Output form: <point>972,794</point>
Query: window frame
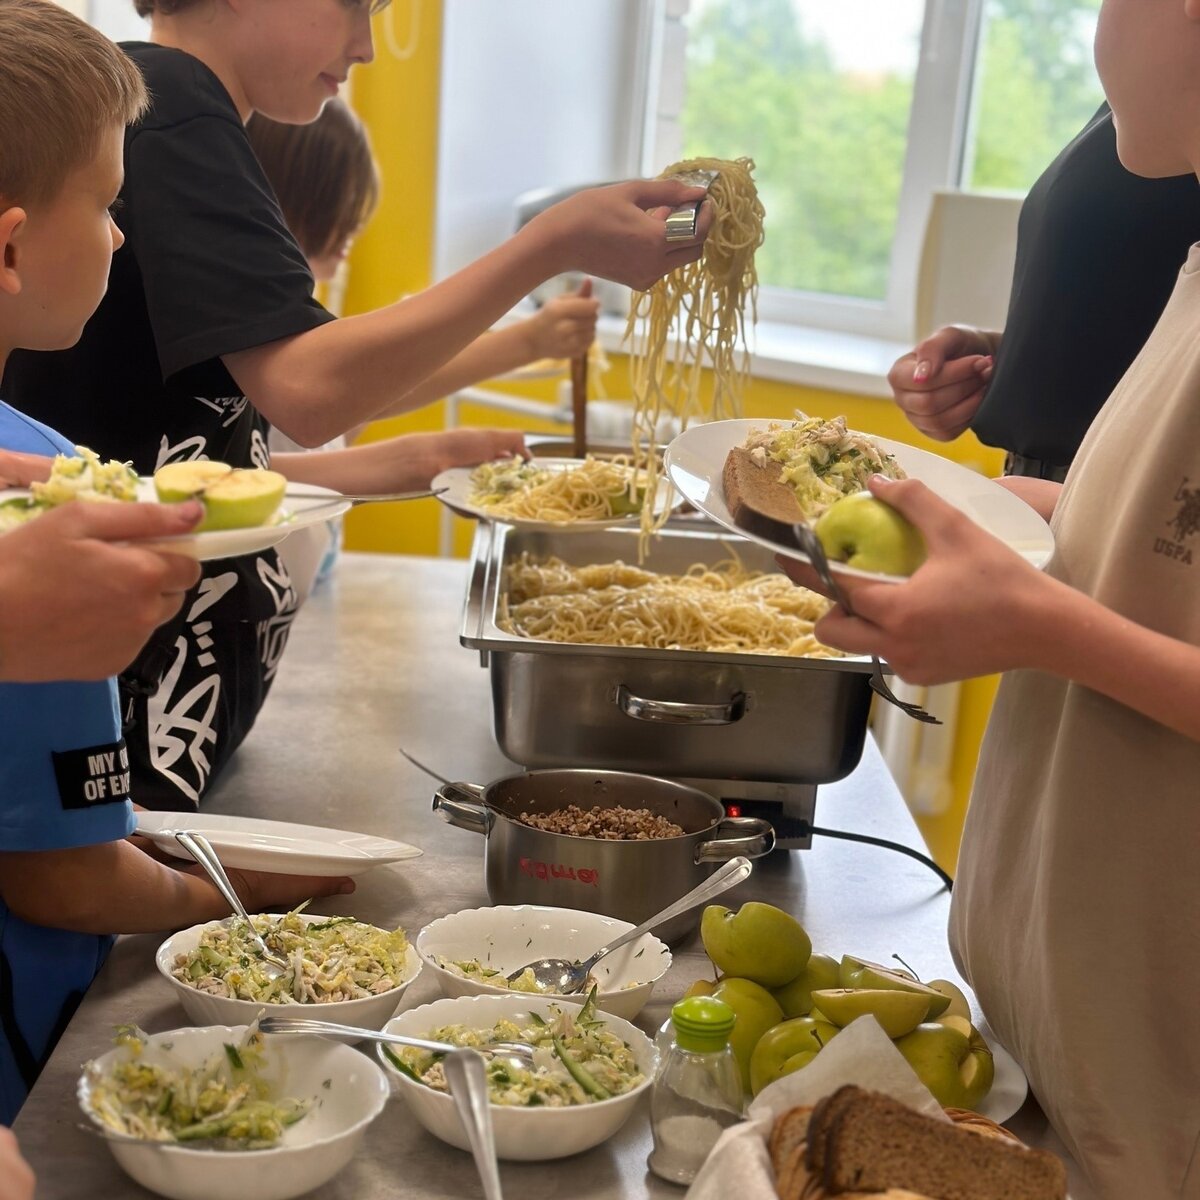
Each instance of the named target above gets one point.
<point>934,154</point>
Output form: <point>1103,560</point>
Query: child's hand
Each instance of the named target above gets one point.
<point>468,447</point>
<point>16,1176</point>
<point>263,891</point>
<point>20,470</point>
<point>79,598</point>
<point>619,232</point>
<point>972,608</point>
<point>563,327</point>
<point>940,383</point>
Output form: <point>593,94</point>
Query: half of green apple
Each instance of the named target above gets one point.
<point>233,497</point>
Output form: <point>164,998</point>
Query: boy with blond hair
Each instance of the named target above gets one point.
<point>209,334</point>
<point>69,878</point>
<point>1076,911</point>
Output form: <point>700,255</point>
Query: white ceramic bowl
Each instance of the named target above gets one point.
<point>349,1091</point>
<point>370,1012</point>
<point>509,936</point>
<point>524,1134</point>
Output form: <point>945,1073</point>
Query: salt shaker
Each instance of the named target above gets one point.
<point>697,1093</point>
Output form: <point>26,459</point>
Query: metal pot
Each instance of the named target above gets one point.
<point>630,880</point>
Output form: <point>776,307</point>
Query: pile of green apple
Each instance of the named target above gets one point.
<point>790,1003</point>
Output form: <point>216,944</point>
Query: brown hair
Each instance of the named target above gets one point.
<point>323,174</point>
<point>62,86</point>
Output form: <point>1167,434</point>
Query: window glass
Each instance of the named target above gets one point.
<point>1035,87</point>
<point>818,93</point>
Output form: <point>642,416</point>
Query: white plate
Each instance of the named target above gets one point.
<point>252,844</point>
<point>1009,1086</point>
<point>457,482</point>
<point>295,513</point>
<point>695,462</point>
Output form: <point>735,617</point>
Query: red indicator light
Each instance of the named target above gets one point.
<point>734,810</point>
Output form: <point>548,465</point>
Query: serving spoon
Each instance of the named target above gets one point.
<point>522,1052</point>
<point>198,846</point>
<point>563,977</point>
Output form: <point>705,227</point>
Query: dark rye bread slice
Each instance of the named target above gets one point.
<point>822,1118</point>
<point>758,499</point>
<point>873,1143</point>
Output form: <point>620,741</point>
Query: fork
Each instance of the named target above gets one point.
<point>197,845</point>
<point>811,545</point>
<point>522,1051</point>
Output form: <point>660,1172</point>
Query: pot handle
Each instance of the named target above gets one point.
<point>459,804</point>
<point>674,712</point>
<point>757,838</point>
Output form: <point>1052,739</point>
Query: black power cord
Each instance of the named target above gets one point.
<point>817,830</point>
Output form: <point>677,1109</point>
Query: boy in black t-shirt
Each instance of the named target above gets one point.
<point>209,331</point>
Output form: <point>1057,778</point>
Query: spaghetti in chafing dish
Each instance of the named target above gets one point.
<point>720,609</point>
<point>528,491</point>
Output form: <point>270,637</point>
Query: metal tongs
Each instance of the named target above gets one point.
<point>681,221</point>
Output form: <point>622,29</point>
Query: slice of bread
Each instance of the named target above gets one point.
<point>788,1132</point>
<point>757,497</point>
<point>873,1143</point>
<point>821,1121</point>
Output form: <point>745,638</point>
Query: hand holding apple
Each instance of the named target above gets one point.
<point>869,534</point>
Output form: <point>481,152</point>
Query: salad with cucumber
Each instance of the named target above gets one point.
<point>81,478</point>
<point>223,1104</point>
<point>339,958</point>
<point>822,461</point>
<point>576,1060</point>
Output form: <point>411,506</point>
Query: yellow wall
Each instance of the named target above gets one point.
<point>397,97</point>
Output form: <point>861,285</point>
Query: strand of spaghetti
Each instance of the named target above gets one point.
<point>696,316</point>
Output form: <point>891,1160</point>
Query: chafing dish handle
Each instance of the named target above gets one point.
<point>758,838</point>
<point>458,803</point>
<point>674,712</point>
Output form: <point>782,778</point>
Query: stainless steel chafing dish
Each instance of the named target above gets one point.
<point>678,713</point>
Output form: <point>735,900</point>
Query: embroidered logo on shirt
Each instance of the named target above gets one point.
<point>92,775</point>
<point>1185,524</point>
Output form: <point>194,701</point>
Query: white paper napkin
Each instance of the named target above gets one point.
<point>862,1054</point>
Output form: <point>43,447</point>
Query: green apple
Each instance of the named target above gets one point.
<point>896,1011</point>
<point>787,1047</point>
<point>232,498</point>
<point>757,1010</point>
<point>795,998</point>
<point>861,973</point>
<point>759,942</point>
<point>701,987</point>
<point>866,533</point>
<point>959,1005</point>
<point>951,1059</point>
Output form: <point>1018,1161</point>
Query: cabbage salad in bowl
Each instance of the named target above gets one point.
<point>329,961</point>
<point>576,1060</point>
<point>222,1104</point>
<point>821,461</point>
<point>82,478</point>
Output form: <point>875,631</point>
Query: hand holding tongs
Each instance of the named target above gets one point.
<point>681,221</point>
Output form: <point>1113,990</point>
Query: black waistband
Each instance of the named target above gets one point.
<point>1035,468</point>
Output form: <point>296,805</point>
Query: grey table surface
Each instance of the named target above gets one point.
<point>374,663</point>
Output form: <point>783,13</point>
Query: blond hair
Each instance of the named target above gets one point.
<point>62,87</point>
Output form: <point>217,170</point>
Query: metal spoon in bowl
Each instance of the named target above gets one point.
<point>468,1088</point>
<point>521,1052</point>
<point>197,845</point>
<point>563,978</point>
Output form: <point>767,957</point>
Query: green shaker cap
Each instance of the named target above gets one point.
<point>702,1023</point>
